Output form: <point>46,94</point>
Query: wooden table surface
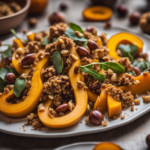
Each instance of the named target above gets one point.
<point>131,136</point>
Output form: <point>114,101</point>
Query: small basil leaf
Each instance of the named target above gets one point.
<point>130,57</point>
<point>70,34</point>
<point>19,86</point>
<point>75,27</point>
<point>140,64</point>
<point>3,72</point>
<point>45,41</point>
<point>132,49</point>
<point>84,44</point>
<point>131,72</point>
<point>2,85</point>
<point>95,74</point>
<point>115,67</point>
<point>57,62</point>
<point>54,39</point>
<point>14,33</point>
<point>7,53</point>
<point>13,71</point>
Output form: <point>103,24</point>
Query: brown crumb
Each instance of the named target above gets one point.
<point>132,108</point>
<point>104,123</point>
<point>122,117</point>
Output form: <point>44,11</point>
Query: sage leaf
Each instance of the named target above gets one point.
<point>125,49</point>
<point>13,71</point>
<point>54,39</point>
<point>116,67</point>
<point>7,53</point>
<point>2,85</point>
<point>45,41</point>
<point>130,57</point>
<point>19,86</point>
<point>14,33</point>
<point>70,34</point>
<point>57,62</point>
<point>142,65</point>
<point>3,72</point>
<point>75,27</point>
<point>95,74</point>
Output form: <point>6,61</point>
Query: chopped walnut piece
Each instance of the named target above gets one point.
<point>132,108</point>
<point>104,123</point>
<point>146,98</point>
<point>126,63</point>
<point>137,102</point>
<point>30,116</point>
<point>80,84</point>
<point>122,117</point>
<point>87,119</point>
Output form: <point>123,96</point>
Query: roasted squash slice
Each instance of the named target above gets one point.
<point>123,38</point>
<point>107,146</point>
<point>29,104</point>
<point>141,87</point>
<point>114,107</point>
<point>81,99</point>
<point>101,101</point>
<point>30,36</point>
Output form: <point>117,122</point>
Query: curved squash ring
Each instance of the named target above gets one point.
<point>29,104</point>
<point>141,87</point>
<point>80,98</point>
<point>97,13</point>
<point>123,38</point>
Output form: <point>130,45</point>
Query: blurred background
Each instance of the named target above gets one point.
<point>42,13</point>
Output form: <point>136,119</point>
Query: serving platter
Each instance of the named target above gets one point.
<point>77,146</point>
<point>15,126</point>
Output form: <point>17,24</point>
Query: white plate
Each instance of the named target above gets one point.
<point>78,146</point>
<point>15,127</point>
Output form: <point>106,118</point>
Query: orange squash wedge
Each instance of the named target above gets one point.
<point>141,87</point>
<point>101,101</point>
<point>81,99</point>
<point>97,13</point>
<point>28,105</point>
<point>107,146</point>
<point>30,36</point>
<point>114,107</point>
<point>123,38</point>
<point>18,43</point>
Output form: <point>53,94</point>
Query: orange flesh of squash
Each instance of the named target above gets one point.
<point>97,13</point>
<point>107,146</point>
<point>29,104</point>
<point>139,88</point>
<point>101,101</point>
<point>123,38</point>
<point>81,99</point>
<point>113,106</point>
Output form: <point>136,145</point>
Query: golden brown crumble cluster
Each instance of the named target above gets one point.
<point>57,88</point>
<point>57,30</point>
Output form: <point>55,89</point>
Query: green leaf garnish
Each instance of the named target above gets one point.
<point>95,74</point>
<point>14,33</point>
<point>142,65</point>
<point>130,57</point>
<point>115,67</point>
<point>2,85</point>
<point>125,49</point>
<point>57,62</point>
<point>19,86</point>
<point>3,72</point>
<point>75,27</point>
<point>7,53</point>
<point>54,39</point>
<point>45,41</point>
<point>70,34</point>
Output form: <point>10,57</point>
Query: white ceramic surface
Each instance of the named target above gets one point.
<point>78,146</point>
<point>15,127</point>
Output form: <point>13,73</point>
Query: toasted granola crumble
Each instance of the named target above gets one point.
<point>57,30</point>
<point>126,63</point>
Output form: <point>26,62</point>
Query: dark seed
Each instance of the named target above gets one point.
<point>10,78</point>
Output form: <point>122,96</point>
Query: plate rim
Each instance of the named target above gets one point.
<point>66,134</point>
